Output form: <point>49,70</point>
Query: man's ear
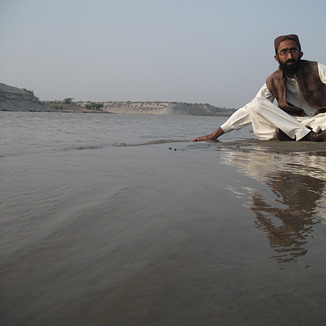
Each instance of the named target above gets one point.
<point>276,57</point>
<point>300,54</point>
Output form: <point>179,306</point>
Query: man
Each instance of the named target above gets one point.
<point>300,90</point>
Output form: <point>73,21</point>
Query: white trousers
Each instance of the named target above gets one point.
<point>266,118</point>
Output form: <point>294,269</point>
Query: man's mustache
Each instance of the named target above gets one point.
<point>290,60</point>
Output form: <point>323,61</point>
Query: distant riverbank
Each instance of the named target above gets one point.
<point>23,100</point>
<point>167,108</point>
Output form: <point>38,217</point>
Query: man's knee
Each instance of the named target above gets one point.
<point>254,106</point>
<point>257,105</point>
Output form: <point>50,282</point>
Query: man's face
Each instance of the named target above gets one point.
<point>288,56</point>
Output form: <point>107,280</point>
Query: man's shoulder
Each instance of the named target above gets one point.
<point>276,75</point>
<point>309,63</point>
<point>308,68</point>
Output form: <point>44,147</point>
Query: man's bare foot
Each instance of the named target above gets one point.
<point>315,136</point>
<point>320,136</point>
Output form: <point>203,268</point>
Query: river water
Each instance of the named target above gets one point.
<point>110,219</point>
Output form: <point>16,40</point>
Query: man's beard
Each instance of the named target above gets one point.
<point>290,69</point>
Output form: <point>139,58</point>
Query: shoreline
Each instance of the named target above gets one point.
<point>273,146</point>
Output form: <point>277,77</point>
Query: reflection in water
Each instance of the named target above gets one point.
<point>297,202</point>
<point>299,195</point>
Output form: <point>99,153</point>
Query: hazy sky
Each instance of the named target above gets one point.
<point>204,51</point>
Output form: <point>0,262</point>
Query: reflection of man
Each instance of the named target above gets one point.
<point>287,228</point>
<point>300,90</point>
<point>292,214</point>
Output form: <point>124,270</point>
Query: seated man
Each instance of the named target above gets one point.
<point>300,90</point>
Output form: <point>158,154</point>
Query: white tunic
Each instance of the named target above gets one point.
<point>266,117</point>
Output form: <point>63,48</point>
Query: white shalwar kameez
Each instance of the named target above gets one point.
<point>266,117</point>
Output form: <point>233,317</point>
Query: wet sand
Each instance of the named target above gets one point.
<point>274,146</point>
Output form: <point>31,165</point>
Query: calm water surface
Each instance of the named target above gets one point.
<point>120,220</point>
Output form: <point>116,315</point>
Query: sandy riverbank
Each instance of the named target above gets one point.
<point>157,108</point>
<point>274,146</point>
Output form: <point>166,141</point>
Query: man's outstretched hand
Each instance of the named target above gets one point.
<point>212,138</point>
